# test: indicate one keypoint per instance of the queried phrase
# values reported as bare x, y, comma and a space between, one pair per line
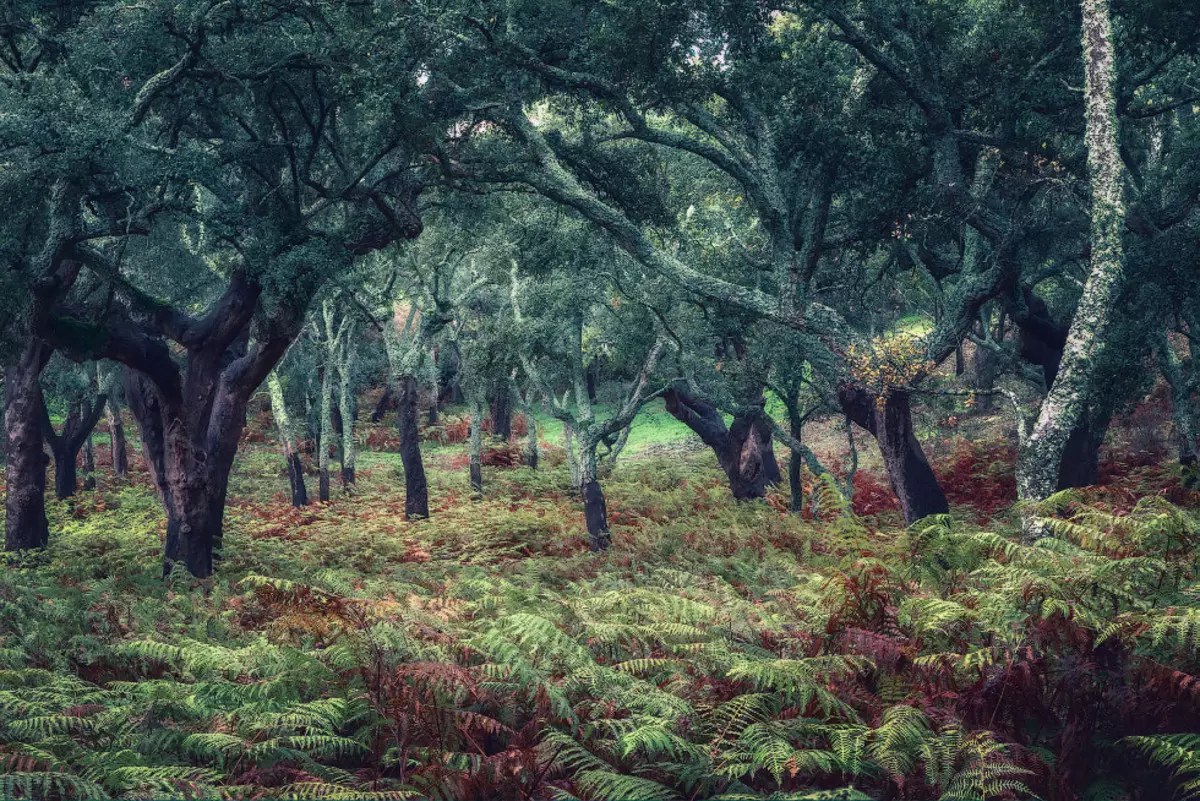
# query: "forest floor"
717, 650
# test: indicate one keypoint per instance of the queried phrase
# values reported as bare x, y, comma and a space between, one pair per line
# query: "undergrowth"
718, 651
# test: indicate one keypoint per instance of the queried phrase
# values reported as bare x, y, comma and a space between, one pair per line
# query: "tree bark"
327, 434
287, 441
908, 471
737, 446
475, 448
1041, 452
116, 436
81, 421
416, 489
595, 508
386, 401
531, 439
501, 414
346, 401
25, 524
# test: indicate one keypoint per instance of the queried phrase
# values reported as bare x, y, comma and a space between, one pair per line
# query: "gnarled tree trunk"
1041, 452
738, 447
25, 524
908, 471
81, 420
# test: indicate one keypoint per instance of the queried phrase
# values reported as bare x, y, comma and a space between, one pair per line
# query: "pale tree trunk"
116, 436
531, 440
475, 447
287, 441
1042, 449
346, 401
327, 436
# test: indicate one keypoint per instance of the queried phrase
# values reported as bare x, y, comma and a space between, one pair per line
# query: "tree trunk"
1080, 466
912, 479
346, 406
501, 415
595, 509
81, 421
766, 453
116, 436
89, 464
416, 489
386, 401
25, 524
287, 441
327, 434
746, 472
1041, 452
475, 447
592, 379
531, 440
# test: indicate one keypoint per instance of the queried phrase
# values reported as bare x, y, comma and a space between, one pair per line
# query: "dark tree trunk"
348, 479
592, 378
1080, 466
81, 421
296, 479
960, 366
386, 401
416, 489
501, 415
766, 453
323, 484
25, 524
66, 476
909, 473
432, 419
743, 465
1187, 464
595, 512
116, 435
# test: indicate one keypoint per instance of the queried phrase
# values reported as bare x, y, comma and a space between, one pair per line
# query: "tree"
1041, 450
262, 226
288, 442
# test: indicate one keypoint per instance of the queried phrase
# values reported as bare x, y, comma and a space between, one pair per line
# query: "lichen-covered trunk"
25, 524
475, 447
349, 416
531, 440
416, 488
796, 465
287, 441
327, 435
1042, 450
889, 420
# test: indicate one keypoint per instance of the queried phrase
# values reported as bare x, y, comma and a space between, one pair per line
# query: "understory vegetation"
717, 650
